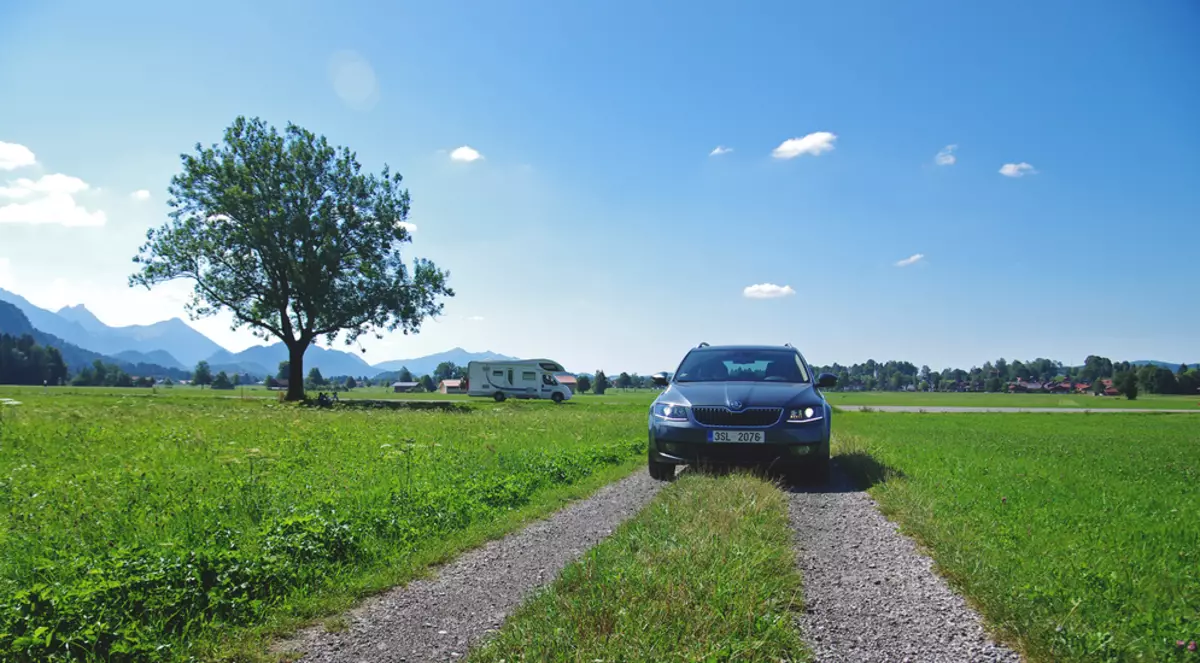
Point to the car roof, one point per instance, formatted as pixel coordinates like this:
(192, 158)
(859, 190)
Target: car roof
(709, 348)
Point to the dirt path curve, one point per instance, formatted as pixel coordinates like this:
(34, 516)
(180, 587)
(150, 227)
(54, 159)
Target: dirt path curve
(870, 596)
(947, 409)
(440, 618)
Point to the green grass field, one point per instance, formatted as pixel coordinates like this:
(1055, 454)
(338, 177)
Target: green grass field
(1078, 536)
(706, 572)
(143, 527)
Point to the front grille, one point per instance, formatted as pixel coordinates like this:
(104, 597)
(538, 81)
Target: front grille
(723, 416)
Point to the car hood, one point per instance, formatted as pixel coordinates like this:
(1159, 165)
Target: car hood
(748, 394)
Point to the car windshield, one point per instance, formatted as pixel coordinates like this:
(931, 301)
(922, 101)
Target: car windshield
(742, 366)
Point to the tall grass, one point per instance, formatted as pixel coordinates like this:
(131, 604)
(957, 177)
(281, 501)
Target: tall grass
(1078, 536)
(137, 528)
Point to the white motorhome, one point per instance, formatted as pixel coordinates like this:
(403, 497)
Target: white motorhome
(523, 378)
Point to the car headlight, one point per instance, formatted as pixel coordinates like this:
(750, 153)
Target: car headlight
(803, 414)
(670, 411)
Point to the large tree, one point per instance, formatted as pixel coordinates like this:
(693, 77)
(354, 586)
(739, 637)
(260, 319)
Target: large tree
(285, 232)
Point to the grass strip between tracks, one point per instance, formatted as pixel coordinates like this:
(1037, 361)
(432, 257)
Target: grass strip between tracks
(706, 572)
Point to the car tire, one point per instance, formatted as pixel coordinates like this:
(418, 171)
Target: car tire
(499, 396)
(661, 471)
(557, 398)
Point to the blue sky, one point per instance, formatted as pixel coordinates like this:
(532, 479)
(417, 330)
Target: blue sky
(597, 189)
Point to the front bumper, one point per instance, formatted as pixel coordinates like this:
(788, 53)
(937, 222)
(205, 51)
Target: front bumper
(686, 443)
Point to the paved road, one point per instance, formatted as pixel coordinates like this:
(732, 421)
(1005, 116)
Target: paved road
(951, 409)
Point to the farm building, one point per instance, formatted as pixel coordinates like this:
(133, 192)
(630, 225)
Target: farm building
(404, 387)
(568, 380)
(450, 387)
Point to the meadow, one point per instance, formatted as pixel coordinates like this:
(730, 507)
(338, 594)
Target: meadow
(1076, 535)
(139, 526)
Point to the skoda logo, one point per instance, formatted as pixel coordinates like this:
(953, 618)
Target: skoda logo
(735, 405)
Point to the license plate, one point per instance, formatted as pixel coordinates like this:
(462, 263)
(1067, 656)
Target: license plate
(737, 436)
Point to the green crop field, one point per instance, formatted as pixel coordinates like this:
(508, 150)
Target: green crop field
(1077, 535)
(136, 526)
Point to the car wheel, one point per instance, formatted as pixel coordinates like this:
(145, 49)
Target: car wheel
(661, 471)
(499, 396)
(557, 398)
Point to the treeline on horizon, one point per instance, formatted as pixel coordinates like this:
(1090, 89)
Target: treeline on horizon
(24, 362)
(995, 377)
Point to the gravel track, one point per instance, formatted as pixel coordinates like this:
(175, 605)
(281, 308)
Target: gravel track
(438, 619)
(869, 594)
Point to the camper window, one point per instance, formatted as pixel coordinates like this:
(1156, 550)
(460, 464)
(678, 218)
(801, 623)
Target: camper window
(529, 376)
(548, 379)
(498, 374)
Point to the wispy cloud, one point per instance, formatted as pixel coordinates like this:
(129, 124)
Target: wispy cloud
(140, 194)
(814, 144)
(946, 157)
(767, 291)
(48, 200)
(13, 156)
(410, 227)
(911, 260)
(1017, 169)
(6, 276)
(475, 318)
(719, 150)
(465, 153)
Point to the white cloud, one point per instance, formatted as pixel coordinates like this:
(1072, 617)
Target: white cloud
(6, 275)
(1016, 169)
(140, 194)
(719, 150)
(946, 156)
(56, 208)
(911, 260)
(767, 291)
(465, 153)
(410, 227)
(13, 156)
(51, 200)
(475, 318)
(814, 144)
(24, 187)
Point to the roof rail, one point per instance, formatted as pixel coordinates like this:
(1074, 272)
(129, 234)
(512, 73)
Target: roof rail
(702, 345)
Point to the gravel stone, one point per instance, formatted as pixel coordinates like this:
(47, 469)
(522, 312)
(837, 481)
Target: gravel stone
(438, 619)
(870, 596)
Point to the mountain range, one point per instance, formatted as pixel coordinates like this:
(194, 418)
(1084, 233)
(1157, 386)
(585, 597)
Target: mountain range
(176, 346)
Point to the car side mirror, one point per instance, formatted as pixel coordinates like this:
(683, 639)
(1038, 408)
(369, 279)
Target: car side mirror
(659, 379)
(826, 381)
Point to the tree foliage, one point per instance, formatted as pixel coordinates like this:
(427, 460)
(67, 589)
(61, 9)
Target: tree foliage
(222, 381)
(583, 384)
(285, 232)
(600, 384)
(202, 374)
(23, 361)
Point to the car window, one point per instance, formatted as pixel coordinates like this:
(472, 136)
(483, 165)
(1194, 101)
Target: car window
(742, 366)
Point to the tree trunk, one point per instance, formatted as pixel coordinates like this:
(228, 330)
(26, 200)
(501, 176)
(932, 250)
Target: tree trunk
(295, 390)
